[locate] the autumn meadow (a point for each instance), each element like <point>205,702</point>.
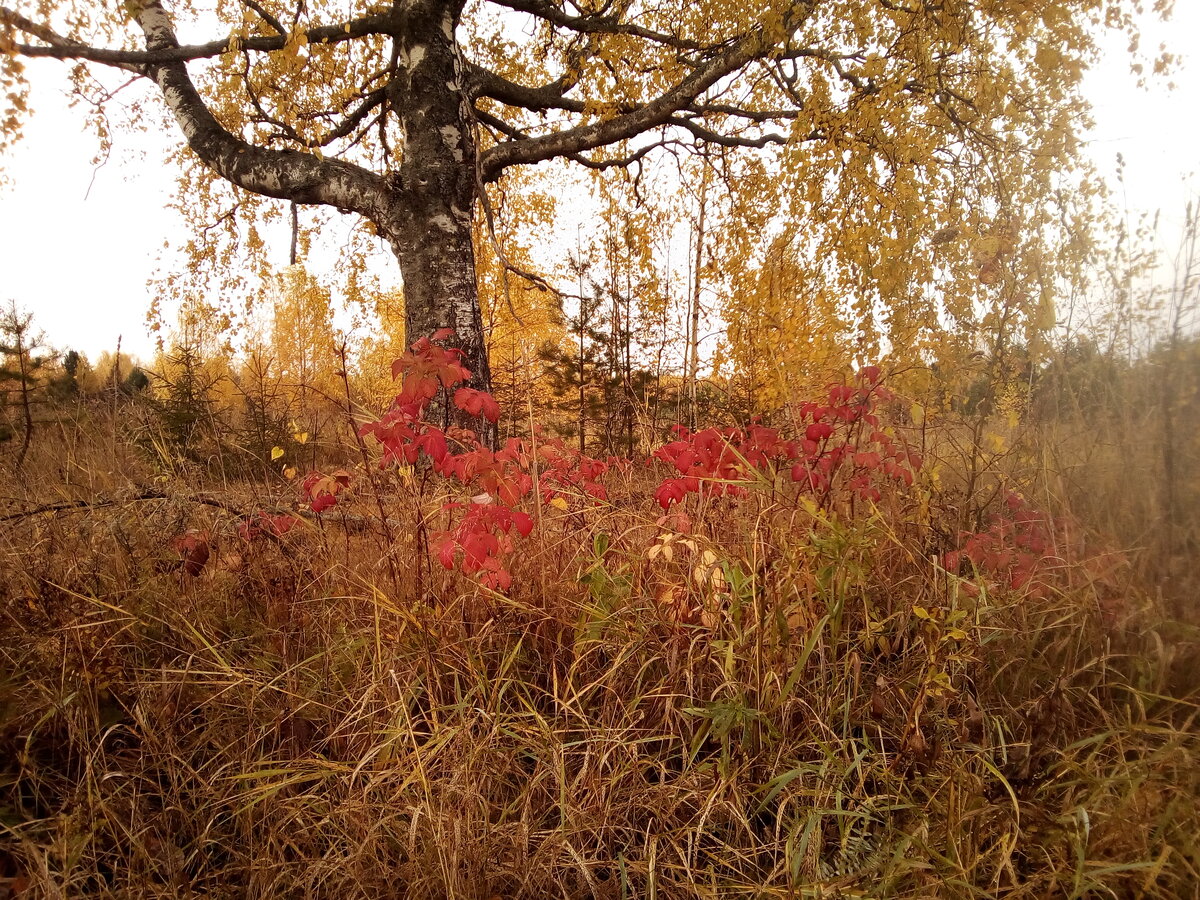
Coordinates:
<point>606,450</point>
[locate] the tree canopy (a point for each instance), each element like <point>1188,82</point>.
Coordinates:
<point>882,171</point>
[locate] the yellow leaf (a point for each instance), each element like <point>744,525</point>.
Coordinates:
<point>920,612</point>
<point>300,437</point>
<point>559,503</point>
<point>289,473</point>
<point>276,452</point>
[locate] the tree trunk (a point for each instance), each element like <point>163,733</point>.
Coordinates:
<point>423,209</point>
<point>26,406</point>
<point>427,216</point>
<point>582,375</point>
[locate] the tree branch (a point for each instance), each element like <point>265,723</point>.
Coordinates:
<point>59,47</point>
<point>486,83</point>
<point>650,115</point>
<point>284,174</point>
<point>725,109</point>
<point>727,140</point>
<point>517,134</point>
<point>596,23</point>
<point>275,24</point>
<point>101,502</point>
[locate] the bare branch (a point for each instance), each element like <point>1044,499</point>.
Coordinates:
<point>517,134</point>
<point>275,24</point>
<point>643,118</point>
<point>284,174</point>
<point>725,109</point>
<point>485,83</point>
<point>57,46</point>
<point>727,140</point>
<point>597,23</point>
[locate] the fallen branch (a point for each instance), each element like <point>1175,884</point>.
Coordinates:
<point>350,521</point>
<point>102,502</point>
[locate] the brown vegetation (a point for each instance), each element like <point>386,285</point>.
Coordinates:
<point>744,697</point>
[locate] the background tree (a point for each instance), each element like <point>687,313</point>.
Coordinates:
<point>188,403</point>
<point>114,372</point>
<point>265,422</point>
<point>65,384</point>
<point>576,367</point>
<point>304,347</point>
<point>383,343</point>
<point>24,367</point>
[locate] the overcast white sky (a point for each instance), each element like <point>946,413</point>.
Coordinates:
<point>78,246</point>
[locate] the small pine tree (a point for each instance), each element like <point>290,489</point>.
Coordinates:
<point>135,382</point>
<point>577,371</point>
<point>185,398</point>
<point>24,363</point>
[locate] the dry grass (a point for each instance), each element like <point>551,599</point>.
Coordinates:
<point>292,724</point>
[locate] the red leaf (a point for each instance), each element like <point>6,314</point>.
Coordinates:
<point>281,525</point>
<point>452,372</point>
<point>193,550</point>
<point>499,580</point>
<point>418,389</point>
<point>445,551</point>
<point>433,442</point>
<point>867,459</point>
<point>523,523</point>
<point>477,403</point>
<point>840,394</point>
<point>402,364</point>
<point>673,490</point>
<point>818,431</point>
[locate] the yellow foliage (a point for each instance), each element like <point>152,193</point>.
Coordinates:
<point>303,345</point>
